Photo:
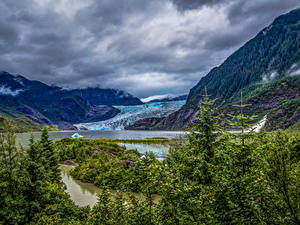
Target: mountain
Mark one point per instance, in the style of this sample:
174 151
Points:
44 104
266 68
98 96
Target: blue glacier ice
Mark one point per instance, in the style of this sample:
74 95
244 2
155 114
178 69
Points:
130 114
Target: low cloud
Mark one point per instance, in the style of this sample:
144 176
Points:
269 77
154 97
294 70
8 91
295 73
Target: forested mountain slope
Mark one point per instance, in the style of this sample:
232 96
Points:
44 104
263 61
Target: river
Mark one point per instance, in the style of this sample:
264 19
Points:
82 194
85 194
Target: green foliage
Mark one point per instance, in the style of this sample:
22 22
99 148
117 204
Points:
123 172
21 123
12 178
279 100
106 164
187 190
30 190
80 149
264 68
51 158
274 49
214 177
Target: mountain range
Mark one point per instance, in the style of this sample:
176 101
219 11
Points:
33 102
266 68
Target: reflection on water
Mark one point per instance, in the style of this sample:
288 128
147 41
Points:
82 194
158 149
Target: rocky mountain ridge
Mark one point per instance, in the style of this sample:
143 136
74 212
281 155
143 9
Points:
44 104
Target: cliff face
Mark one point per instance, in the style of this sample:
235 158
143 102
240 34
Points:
261 63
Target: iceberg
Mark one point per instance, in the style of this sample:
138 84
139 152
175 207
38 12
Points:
76 135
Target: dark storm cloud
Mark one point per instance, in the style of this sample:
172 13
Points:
195 4
145 47
263 10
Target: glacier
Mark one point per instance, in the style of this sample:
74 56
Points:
130 114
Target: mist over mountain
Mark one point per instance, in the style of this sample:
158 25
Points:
98 96
164 98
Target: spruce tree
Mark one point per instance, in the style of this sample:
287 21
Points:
242 122
233 193
12 178
51 161
34 164
188 192
205 129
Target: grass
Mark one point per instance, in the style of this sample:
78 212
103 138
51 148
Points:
21 124
295 127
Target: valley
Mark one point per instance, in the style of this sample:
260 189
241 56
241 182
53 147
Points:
96 127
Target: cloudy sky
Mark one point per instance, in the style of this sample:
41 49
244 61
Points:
146 47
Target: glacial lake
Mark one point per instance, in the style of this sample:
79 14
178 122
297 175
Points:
160 150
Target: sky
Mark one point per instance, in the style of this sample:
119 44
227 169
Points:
145 47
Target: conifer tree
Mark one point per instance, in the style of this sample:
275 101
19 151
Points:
12 182
50 157
37 176
205 129
233 193
242 123
9 153
188 192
